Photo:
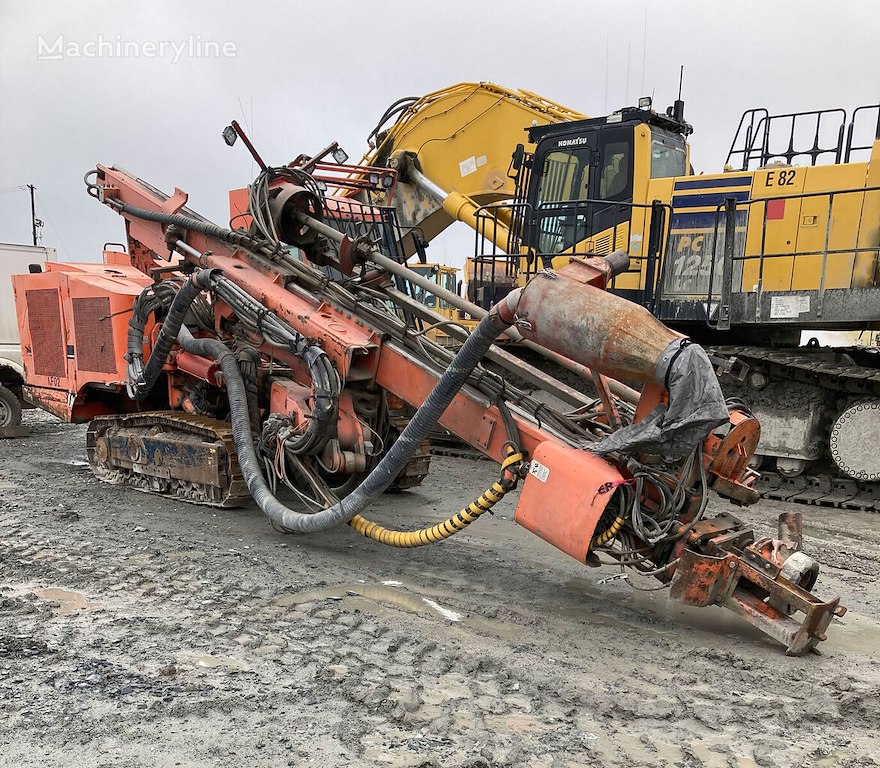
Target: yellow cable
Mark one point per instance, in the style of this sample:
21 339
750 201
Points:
603 538
449 527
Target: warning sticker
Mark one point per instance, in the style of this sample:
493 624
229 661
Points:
635 243
540 471
468 166
782 307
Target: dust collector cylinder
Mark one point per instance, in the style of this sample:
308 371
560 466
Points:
592 327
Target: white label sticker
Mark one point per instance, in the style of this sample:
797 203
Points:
540 471
635 243
788 306
481 160
468 166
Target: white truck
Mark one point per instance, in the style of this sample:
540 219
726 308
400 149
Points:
14 260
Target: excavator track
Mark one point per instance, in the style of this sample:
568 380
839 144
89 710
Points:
847 372
169 453
821 489
814 368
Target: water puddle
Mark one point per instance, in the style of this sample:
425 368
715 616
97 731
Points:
387 598
388 593
69 601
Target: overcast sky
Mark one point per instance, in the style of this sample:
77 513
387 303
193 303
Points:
300 75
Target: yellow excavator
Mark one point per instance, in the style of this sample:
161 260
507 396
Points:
783 241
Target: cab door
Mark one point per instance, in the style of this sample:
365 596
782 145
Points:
612 187
561 190
581 190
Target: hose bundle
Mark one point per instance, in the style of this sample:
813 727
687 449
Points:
385 471
141 378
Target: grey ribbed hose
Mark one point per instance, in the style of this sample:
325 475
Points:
385 471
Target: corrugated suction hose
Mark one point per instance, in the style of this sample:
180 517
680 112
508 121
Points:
384 473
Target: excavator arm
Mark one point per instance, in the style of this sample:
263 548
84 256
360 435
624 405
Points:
453 150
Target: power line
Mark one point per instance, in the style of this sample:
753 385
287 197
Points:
52 224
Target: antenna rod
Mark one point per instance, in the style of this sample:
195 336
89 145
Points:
32 188
680 79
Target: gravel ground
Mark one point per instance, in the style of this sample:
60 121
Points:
139 632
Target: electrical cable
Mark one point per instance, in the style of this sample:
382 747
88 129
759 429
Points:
384 473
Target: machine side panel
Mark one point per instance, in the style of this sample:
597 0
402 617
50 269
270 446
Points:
564 495
73 326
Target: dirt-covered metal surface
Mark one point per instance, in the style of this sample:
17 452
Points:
136 631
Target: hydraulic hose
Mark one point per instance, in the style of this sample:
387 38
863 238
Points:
600 540
188 222
384 472
141 380
458 522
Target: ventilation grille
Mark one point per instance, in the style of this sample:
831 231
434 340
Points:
93 331
603 245
44 325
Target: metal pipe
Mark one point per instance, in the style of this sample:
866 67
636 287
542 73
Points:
372 253
506 360
459 207
426 185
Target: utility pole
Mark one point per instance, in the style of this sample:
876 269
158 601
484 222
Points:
33 189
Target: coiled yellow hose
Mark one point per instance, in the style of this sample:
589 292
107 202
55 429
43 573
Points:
603 538
451 526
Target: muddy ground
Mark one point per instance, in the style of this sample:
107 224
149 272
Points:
140 632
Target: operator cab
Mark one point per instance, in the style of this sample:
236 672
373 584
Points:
585 174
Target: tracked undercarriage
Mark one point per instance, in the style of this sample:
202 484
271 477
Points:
819 409
190 458
184 456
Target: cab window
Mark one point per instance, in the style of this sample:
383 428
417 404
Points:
668 156
419 293
614 183
565 176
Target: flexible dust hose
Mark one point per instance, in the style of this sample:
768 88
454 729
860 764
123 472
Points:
449 527
385 471
142 379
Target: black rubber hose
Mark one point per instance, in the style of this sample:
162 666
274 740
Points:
386 470
195 284
197 225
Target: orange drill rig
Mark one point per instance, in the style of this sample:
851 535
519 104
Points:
218 363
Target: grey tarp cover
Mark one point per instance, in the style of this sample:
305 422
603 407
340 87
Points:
696 405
